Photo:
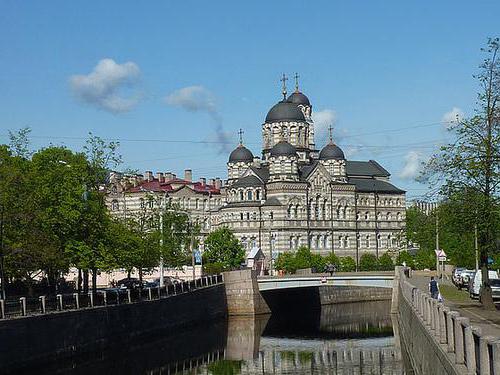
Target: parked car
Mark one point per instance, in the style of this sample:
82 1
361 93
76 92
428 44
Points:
129 283
495 288
477 281
465 278
457 274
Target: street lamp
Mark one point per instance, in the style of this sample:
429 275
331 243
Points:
2 277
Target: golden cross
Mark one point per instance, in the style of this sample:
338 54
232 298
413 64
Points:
296 82
284 79
240 132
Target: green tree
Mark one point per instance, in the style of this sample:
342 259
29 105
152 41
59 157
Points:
286 262
347 264
221 246
385 263
368 262
332 259
471 161
405 257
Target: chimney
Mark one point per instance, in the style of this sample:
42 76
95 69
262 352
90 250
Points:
211 181
218 183
203 180
159 176
148 175
168 176
188 175
174 176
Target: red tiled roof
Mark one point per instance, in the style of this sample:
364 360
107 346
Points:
158 187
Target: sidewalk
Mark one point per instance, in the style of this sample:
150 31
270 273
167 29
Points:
487 321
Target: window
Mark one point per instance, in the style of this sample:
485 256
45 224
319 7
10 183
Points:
197 203
367 215
346 242
115 206
249 195
389 216
241 195
358 241
379 240
340 241
257 195
289 212
114 189
291 242
241 216
358 215
141 202
367 241
271 215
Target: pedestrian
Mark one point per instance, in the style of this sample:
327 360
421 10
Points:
433 288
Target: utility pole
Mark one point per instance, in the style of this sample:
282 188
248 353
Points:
162 212
191 245
437 242
2 276
476 247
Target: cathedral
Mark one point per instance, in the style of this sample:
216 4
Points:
296 195
293 195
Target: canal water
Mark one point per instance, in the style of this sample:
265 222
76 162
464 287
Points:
351 338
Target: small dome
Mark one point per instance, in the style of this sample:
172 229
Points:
298 98
285 111
241 153
331 151
283 148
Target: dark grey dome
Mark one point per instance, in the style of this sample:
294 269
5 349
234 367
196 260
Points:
285 111
331 151
241 153
283 148
298 98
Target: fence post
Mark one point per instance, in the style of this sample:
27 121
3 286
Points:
42 304
104 298
149 294
91 299
459 339
450 319
442 324
59 299
77 300
22 302
470 350
484 355
2 309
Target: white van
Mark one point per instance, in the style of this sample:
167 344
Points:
478 280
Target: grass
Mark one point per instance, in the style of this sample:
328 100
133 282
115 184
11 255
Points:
452 294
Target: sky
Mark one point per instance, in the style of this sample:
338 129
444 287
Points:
174 81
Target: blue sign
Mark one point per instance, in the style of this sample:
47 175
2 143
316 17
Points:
197 256
490 260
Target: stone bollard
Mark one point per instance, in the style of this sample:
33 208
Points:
459 339
91 299
443 337
2 309
182 287
22 302
450 319
484 355
495 348
104 298
129 297
470 349
43 309
149 294
77 300
60 305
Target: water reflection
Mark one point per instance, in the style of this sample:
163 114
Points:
354 338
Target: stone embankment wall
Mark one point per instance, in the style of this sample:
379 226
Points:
346 294
243 296
37 339
439 341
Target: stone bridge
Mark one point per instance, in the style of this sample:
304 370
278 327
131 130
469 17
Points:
249 295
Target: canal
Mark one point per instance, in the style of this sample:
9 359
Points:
351 338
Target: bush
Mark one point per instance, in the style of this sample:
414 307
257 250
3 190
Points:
425 259
285 262
385 263
332 259
404 256
318 263
213 268
368 262
347 264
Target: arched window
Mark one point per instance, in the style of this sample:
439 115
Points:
379 240
141 202
367 215
346 241
197 203
358 240
296 211
248 215
389 240
389 216
367 241
271 215
241 195
358 215
257 195
241 216
340 242
115 206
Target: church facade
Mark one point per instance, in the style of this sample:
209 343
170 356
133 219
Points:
295 195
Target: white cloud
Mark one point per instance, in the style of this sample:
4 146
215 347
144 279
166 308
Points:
450 118
102 87
193 99
413 163
322 120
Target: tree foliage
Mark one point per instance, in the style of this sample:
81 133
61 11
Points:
221 246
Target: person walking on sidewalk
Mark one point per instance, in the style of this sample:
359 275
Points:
433 288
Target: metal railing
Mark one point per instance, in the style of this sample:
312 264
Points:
29 306
479 353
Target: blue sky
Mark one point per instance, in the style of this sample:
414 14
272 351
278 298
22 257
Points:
385 72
